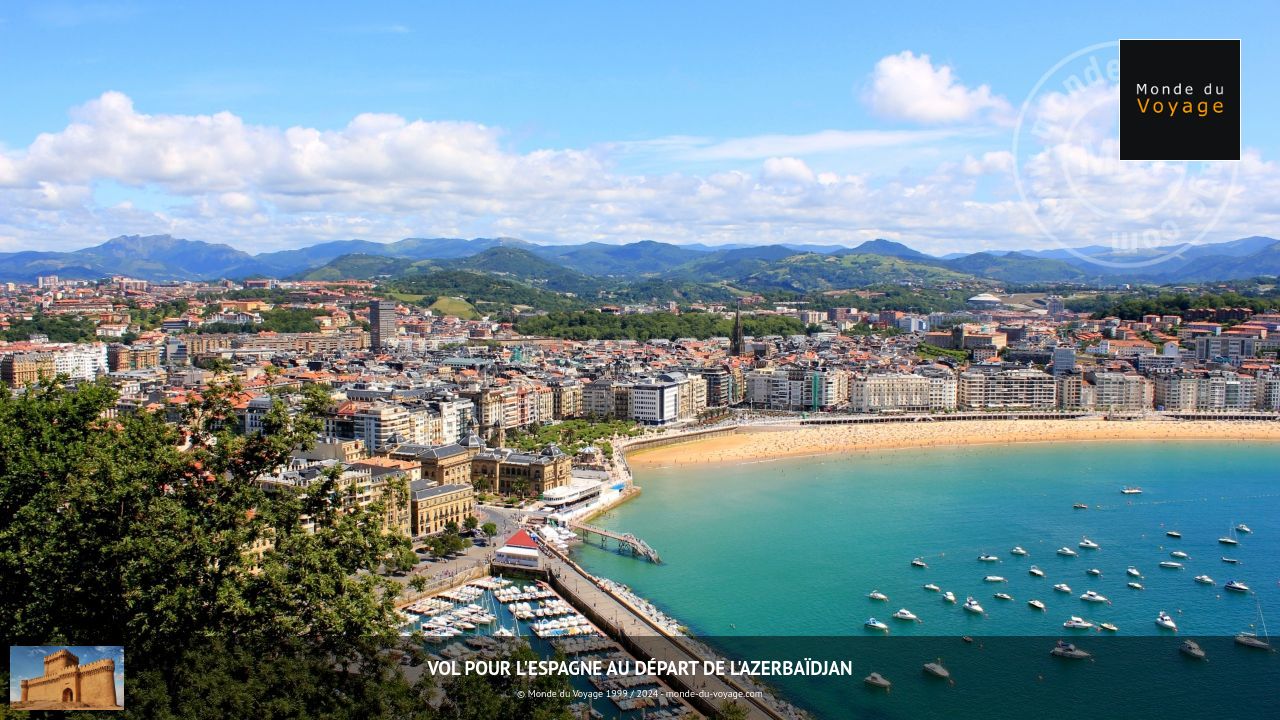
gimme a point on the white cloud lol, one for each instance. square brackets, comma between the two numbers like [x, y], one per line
[383, 177]
[909, 87]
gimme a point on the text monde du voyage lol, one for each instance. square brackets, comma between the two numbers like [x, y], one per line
[1180, 99]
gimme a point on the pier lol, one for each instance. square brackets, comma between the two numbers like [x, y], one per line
[638, 547]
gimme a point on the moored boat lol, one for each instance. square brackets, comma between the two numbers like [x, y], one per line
[1036, 604]
[1173, 534]
[937, 670]
[1036, 571]
[1230, 561]
[1130, 490]
[1133, 572]
[1243, 528]
[1065, 649]
[877, 595]
[994, 579]
[1171, 565]
[1018, 550]
[1236, 586]
[1191, 649]
[919, 562]
[1062, 588]
[1109, 627]
[1067, 552]
[1077, 623]
[931, 587]
[1095, 572]
[1204, 579]
[1179, 554]
[949, 596]
[1003, 596]
[971, 605]
[1091, 596]
[1135, 586]
[877, 680]
[1088, 544]
[905, 614]
[875, 624]
[1166, 622]
[988, 558]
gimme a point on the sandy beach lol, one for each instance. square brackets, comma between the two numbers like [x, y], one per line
[754, 444]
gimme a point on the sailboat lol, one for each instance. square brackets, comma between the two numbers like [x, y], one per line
[1250, 639]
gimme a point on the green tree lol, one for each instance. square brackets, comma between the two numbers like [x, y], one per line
[489, 529]
[470, 523]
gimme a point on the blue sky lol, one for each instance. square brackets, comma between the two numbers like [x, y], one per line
[27, 661]
[623, 111]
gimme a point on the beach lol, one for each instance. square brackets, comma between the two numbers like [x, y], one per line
[767, 442]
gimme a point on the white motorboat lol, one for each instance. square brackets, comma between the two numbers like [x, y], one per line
[1166, 622]
[1179, 554]
[1088, 544]
[972, 606]
[1173, 534]
[877, 680]
[1080, 506]
[919, 562]
[1171, 565]
[994, 579]
[1018, 550]
[874, 624]
[1065, 649]
[1109, 627]
[1134, 490]
[1067, 552]
[1091, 596]
[877, 595]
[1192, 649]
[1243, 528]
[1230, 561]
[1228, 541]
[1135, 586]
[1036, 604]
[1036, 571]
[1236, 586]
[905, 614]
[1133, 572]
[1003, 596]
[1204, 580]
[1062, 588]
[937, 670]
[1077, 623]
[931, 587]
[949, 596]
[1095, 572]
[988, 558]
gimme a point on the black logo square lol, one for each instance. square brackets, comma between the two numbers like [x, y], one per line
[1179, 99]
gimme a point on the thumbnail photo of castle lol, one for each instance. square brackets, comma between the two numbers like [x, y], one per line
[66, 677]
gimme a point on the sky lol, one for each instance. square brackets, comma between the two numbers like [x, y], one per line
[27, 661]
[275, 125]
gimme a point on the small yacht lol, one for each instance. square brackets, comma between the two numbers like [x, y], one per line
[1127, 490]
[1243, 528]
[1228, 540]
[1095, 572]
[1191, 649]
[919, 562]
[1077, 623]
[877, 680]
[1088, 544]
[1173, 534]
[1018, 550]
[1179, 554]
[949, 596]
[1066, 650]
[988, 558]
[994, 578]
[1204, 579]
[875, 624]
[1036, 571]
[935, 669]
[1135, 586]
[1003, 596]
[1062, 588]
[877, 595]
[1066, 552]
[932, 588]
[905, 614]
[1036, 604]
[1230, 561]
[1109, 627]
[1171, 565]
[1080, 506]
[1166, 622]
[1091, 596]
[1236, 586]
[972, 606]
[1252, 640]
[1133, 572]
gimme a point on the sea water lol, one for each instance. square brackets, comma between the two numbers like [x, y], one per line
[790, 549]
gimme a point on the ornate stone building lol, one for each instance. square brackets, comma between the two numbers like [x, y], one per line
[66, 684]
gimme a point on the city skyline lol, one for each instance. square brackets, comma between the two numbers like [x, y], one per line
[703, 129]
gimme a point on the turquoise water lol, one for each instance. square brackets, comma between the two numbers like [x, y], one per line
[791, 548]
